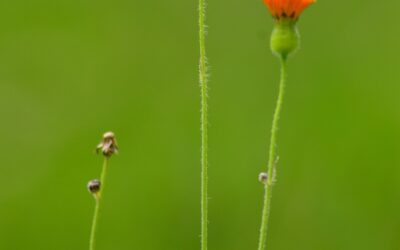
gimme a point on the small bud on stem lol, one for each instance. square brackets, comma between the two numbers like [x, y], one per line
[263, 178]
[94, 186]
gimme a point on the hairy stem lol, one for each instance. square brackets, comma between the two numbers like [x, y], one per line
[272, 159]
[98, 198]
[203, 85]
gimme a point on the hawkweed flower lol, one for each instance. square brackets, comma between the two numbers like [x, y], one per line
[285, 40]
[285, 36]
[287, 8]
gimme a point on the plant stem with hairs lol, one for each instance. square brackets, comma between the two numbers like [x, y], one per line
[285, 39]
[204, 109]
[268, 179]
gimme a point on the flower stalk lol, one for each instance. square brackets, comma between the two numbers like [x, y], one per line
[204, 124]
[98, 197]
[285, 41]
[107, 147]
[269, 178]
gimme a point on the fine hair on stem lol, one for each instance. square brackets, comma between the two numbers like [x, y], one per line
[272, 160]
[204, 124]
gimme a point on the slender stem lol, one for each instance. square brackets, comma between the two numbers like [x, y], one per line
[272, 159]
[203, 85]
[98, 197]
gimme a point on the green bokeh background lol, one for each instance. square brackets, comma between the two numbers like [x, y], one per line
[73, 69]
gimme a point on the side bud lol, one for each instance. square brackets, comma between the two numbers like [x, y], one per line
[94, 186]
[285, 38]
[263, 178]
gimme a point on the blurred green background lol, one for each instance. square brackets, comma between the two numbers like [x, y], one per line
[73, 69]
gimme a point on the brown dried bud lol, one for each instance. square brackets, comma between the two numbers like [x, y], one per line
[108, 146]
[263, 178]
[94, 186]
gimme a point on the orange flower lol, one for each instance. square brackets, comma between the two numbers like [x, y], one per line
[287, 8]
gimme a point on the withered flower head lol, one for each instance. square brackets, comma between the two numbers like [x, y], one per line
[108, 146]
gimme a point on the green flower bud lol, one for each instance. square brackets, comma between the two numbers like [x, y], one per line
[285, 37]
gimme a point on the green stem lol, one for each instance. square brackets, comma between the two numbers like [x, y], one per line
[203, 85]
[98, 197]
[272, 159]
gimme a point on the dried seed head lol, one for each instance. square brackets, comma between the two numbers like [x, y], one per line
[94, 186]
[108, 146]
[263, 178]
[108, 135]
